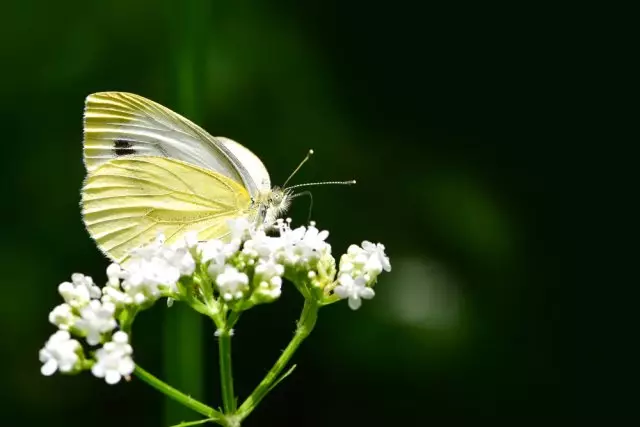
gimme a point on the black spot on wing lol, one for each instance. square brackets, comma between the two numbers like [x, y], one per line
[122, 147]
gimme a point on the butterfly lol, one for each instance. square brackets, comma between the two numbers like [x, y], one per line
[151, 171]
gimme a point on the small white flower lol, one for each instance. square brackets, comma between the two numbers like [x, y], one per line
[139, 298]
[367, 261]
[60, 353]
[303, 246]
[116, 297]
[79, 291]
[113, 360]
[240, 229]
[353, 289]
[378, 260]
[346, 266]
[191, 239]
[262, 246]
[268, 274]
[154, 269]
[232, 284]
[182, 259]
[269, 269]
[231, 248]
[114, 274]
[113, 292]
[80, 280]
[289, 239]
[62, 316]
[96, 319]
[215, 253]
[354, 250]
[209, 250]
[315, 238]
[271, 289]
[359, 257]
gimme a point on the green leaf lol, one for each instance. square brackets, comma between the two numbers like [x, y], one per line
[285, 375]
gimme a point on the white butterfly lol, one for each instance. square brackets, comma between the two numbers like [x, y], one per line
[151, 171]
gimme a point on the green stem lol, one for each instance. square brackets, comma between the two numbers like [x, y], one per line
[177, 395]
[226, 373]
[305, 325]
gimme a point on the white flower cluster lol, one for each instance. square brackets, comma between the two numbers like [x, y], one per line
[83, 312]
[252, 264]
[91, 312]
[359, 270]
[113, 360]
[151, 272]
[294, 253]
[61, 353]
[245, 270]
[303, 246]
[86, 312]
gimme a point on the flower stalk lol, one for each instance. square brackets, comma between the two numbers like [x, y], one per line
[226, 373]
[177, 395]
[305, 325]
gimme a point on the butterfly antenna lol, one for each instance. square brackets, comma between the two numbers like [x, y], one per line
[306, 193]
[353, 181]
[309, 154]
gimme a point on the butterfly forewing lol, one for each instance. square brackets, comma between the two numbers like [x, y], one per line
[129, 200]
[119, 124]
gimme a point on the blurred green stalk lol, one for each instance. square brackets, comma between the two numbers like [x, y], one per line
[184, 365]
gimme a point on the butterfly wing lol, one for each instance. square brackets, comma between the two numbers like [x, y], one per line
[119, 124]
[252, 163]
[128, 201]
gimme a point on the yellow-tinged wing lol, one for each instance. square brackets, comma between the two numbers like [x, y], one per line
[128, 201]
[119, 124]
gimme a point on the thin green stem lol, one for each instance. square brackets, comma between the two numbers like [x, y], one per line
[177, 395]
[226, 373]
[305, 325]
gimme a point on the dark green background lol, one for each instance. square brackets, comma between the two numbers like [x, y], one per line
[448, 117]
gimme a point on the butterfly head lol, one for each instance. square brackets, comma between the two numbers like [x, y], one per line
[276, 202]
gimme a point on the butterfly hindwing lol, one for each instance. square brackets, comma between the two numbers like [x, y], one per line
[252, 163]
[128, 201]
